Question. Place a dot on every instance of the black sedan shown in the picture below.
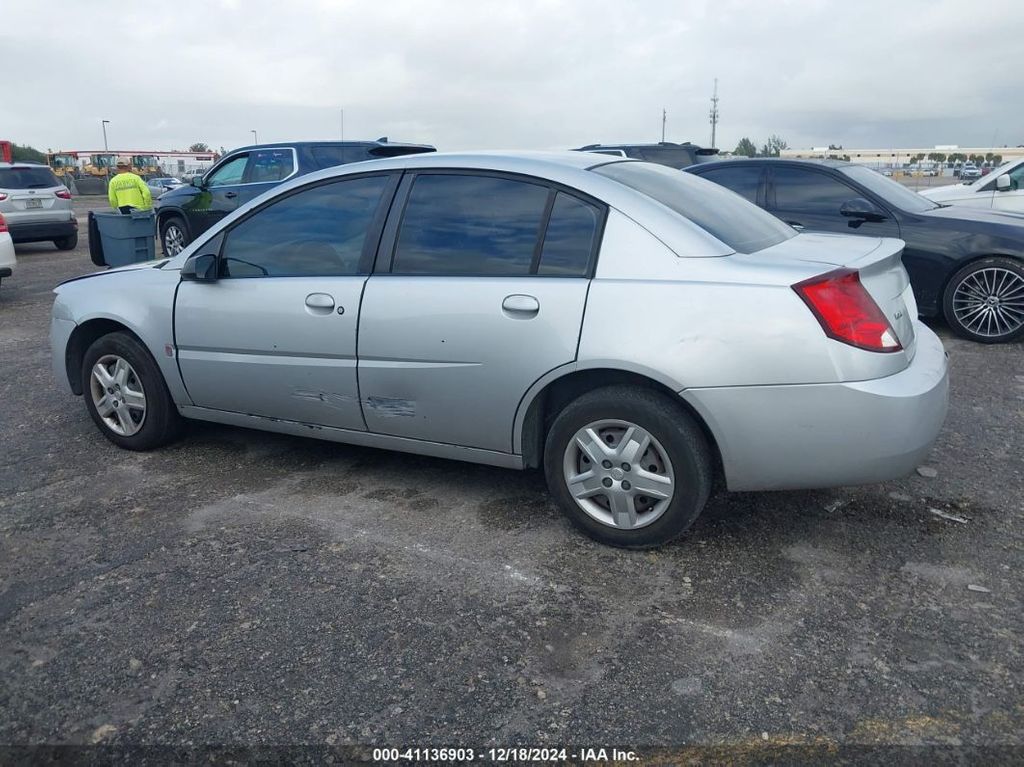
(966, 264)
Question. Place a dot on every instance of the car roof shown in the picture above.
(303, 144)
(706, 166)
(649, 145)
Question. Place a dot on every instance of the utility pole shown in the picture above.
(106, 169)
(714, 113)
(664, 116)
(342, 124)
(103, 123)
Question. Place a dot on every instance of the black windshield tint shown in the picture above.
(742, 226)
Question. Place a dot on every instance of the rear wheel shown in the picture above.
(173, 236)
(629, 466)
(67, 243)
(126, 395)
(984, 301)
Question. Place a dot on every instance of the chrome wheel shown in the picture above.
(174, 240)
(618, 474)
(990, 302)
(118, 395)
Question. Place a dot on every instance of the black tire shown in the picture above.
(167, 226)
(161, 422)
(1007, 277)
(670, 425)
(67, 243)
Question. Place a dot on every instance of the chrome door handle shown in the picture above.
(321, 303)
(520, 305)
(796, 225)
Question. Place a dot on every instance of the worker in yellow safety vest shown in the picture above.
(127, 191)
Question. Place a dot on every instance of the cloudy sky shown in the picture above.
(468, 74)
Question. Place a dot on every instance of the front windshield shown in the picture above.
(890, 191)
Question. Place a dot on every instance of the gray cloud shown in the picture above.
(529, 74)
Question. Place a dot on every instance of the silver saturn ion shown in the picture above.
(629, 328)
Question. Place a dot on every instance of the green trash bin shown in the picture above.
(127, 238)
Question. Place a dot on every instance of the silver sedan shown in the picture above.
(628, 328)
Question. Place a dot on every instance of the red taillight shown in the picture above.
(64, 194)
(847, 312)
(3, 224)
(2, 196)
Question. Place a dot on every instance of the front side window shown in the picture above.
(319, 231)
(742, 179)
(808, 191)
(229, 173)
(270, 165)
(469, 225)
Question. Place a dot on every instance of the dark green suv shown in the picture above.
(245, 173)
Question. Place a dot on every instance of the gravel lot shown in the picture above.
(242, 587)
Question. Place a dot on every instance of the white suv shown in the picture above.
(36, 205)
(1002, 189)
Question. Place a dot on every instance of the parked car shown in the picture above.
(157, 186)
(970, 172)
(36, 205)
(7, 258)
(625, 326)
(1003, 189)
(665, 153)
(965, 264)
(243, 174)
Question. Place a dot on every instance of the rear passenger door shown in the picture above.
(479, 290)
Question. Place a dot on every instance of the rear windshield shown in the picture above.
(741, 225)
(27, 178)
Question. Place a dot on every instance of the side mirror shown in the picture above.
(197, 182)
(1003, 183)
(201, 268)
(859, 208)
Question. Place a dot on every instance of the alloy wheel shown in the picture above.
(990, 302)
(619, 474)
(118, 395)
(174, 240)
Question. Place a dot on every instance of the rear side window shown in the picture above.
(27, 178)
(316, 232)
(742, 179)
(269, 165)
(729, 218)
(329, 156)
(570, 237)
(470, 225)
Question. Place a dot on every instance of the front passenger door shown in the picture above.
(810, 199)
(275, 335)
(218, 195)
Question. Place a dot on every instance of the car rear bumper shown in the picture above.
(828, 435)
(38, 231)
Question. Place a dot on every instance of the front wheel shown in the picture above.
(984, 301)
(126, 395)
(629, 466)
(173, 236)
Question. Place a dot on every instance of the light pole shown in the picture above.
(342, 124)
(254, 139)
(106, 169)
